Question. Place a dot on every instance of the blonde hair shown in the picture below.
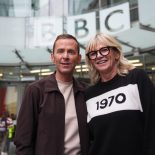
(123, 65)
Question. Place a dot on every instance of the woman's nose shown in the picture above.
(98, 54)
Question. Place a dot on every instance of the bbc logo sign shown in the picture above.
(111, 20)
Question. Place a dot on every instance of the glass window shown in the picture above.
(81, 6)
(6, 8)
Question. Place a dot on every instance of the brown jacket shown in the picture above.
(41, 120)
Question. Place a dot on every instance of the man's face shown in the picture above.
(65, 56)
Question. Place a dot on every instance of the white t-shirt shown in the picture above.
(71, 140)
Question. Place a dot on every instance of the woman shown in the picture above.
(120, 104)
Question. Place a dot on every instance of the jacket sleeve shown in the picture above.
(27, 122)
(147, 95)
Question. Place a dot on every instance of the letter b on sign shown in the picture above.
(80, 28)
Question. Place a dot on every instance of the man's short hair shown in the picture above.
(66, 36)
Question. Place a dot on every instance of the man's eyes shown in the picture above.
(72, 52)
(61, 51)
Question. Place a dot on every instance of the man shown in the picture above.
(52, 118)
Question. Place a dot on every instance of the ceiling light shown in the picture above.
(10, 73)
(85, 70)
(47, 73)
(138, 64)
(78, 70)
(45, 70)
(134, 61)
(35, 71)
(39, 70)
(84, 66)
(77, 67)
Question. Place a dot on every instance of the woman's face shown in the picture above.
(105, 64)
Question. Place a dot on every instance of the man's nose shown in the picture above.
(65, 55)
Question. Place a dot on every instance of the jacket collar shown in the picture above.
(51, 84)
